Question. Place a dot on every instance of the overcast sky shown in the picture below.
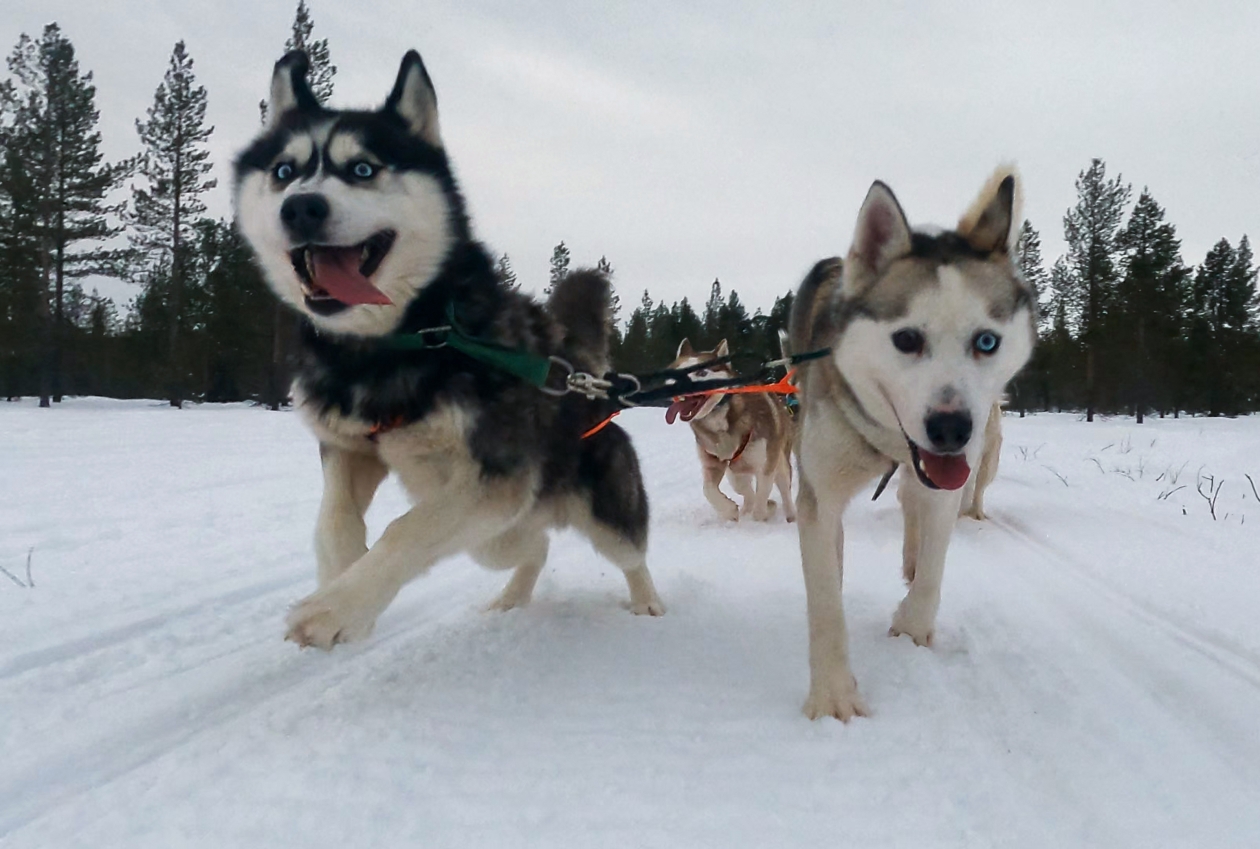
(688, 141)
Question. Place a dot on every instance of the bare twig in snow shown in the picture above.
(1253, 486)
(1056, 474)
(1101, 470)
(1214, 491)
(14, 578)
(30, 582)
(1163, 496)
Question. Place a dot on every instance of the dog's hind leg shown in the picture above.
(350, 482)
(783, 480)
(613, 513)
(523, 549)
(936, 514)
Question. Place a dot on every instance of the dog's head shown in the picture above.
(350, 213)
(698, 406)
(935, 324)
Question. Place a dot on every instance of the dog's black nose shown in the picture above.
(304, 216)
(949, 432)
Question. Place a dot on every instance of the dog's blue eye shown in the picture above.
(986, 342)
(363, 170)
(284, 171)
(908, 341)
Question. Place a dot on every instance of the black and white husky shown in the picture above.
(357, 221)
(925, 330)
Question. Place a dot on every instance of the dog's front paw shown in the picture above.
(651, 607)
(765, 514)
(915, 621)
(324, 619)
(729, 512)
(507, 601)
(836, 698)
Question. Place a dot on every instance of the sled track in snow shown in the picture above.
(89, 763)
(101, 640)
(1213, 647)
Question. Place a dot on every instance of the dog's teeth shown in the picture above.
(363, 258)
(310, 263)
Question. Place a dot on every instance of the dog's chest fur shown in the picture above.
(722, 431)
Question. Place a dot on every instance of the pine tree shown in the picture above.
(53, 139)
(1028, 260)
(1222, 329)
(1150, 303)
(503, 270)
(322, 70)
(1091, 228)
(614, 300)
(174, 165)
(713, 314)
(633, 354)
(237, 345)
(559, 267)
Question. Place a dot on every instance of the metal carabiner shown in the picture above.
(568, 369)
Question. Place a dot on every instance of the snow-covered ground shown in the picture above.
(1096, 678)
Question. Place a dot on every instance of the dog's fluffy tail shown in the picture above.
(815, 290)
(582, 304)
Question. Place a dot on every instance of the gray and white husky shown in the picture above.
(356, 220)
(925, 331)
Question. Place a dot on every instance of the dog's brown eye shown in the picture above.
(908, 341)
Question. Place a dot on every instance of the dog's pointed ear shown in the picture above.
(289, 89)
(882, 234)
(414, 100)
(685, 349)
(989, 225)
(722, 350)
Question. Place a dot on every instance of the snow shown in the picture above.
(1095, 682)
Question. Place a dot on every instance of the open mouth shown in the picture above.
(336, 277)
(686, 408)
(939, 471)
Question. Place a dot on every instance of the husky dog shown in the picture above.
(747, 437)
(356, 220)
(925, 330)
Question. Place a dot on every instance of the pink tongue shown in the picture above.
(946, 471)
(337, 273)
(685, 407)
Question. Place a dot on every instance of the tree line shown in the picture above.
(1125, 326)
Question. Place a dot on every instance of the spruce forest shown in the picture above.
(1126, 325)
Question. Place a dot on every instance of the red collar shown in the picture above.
(738, 453)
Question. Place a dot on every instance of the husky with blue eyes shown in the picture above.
(925, 331)
(357, 221)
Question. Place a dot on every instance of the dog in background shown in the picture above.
(745, 437)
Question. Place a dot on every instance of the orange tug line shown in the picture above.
(784, 386)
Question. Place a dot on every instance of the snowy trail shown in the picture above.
(1095, 682)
